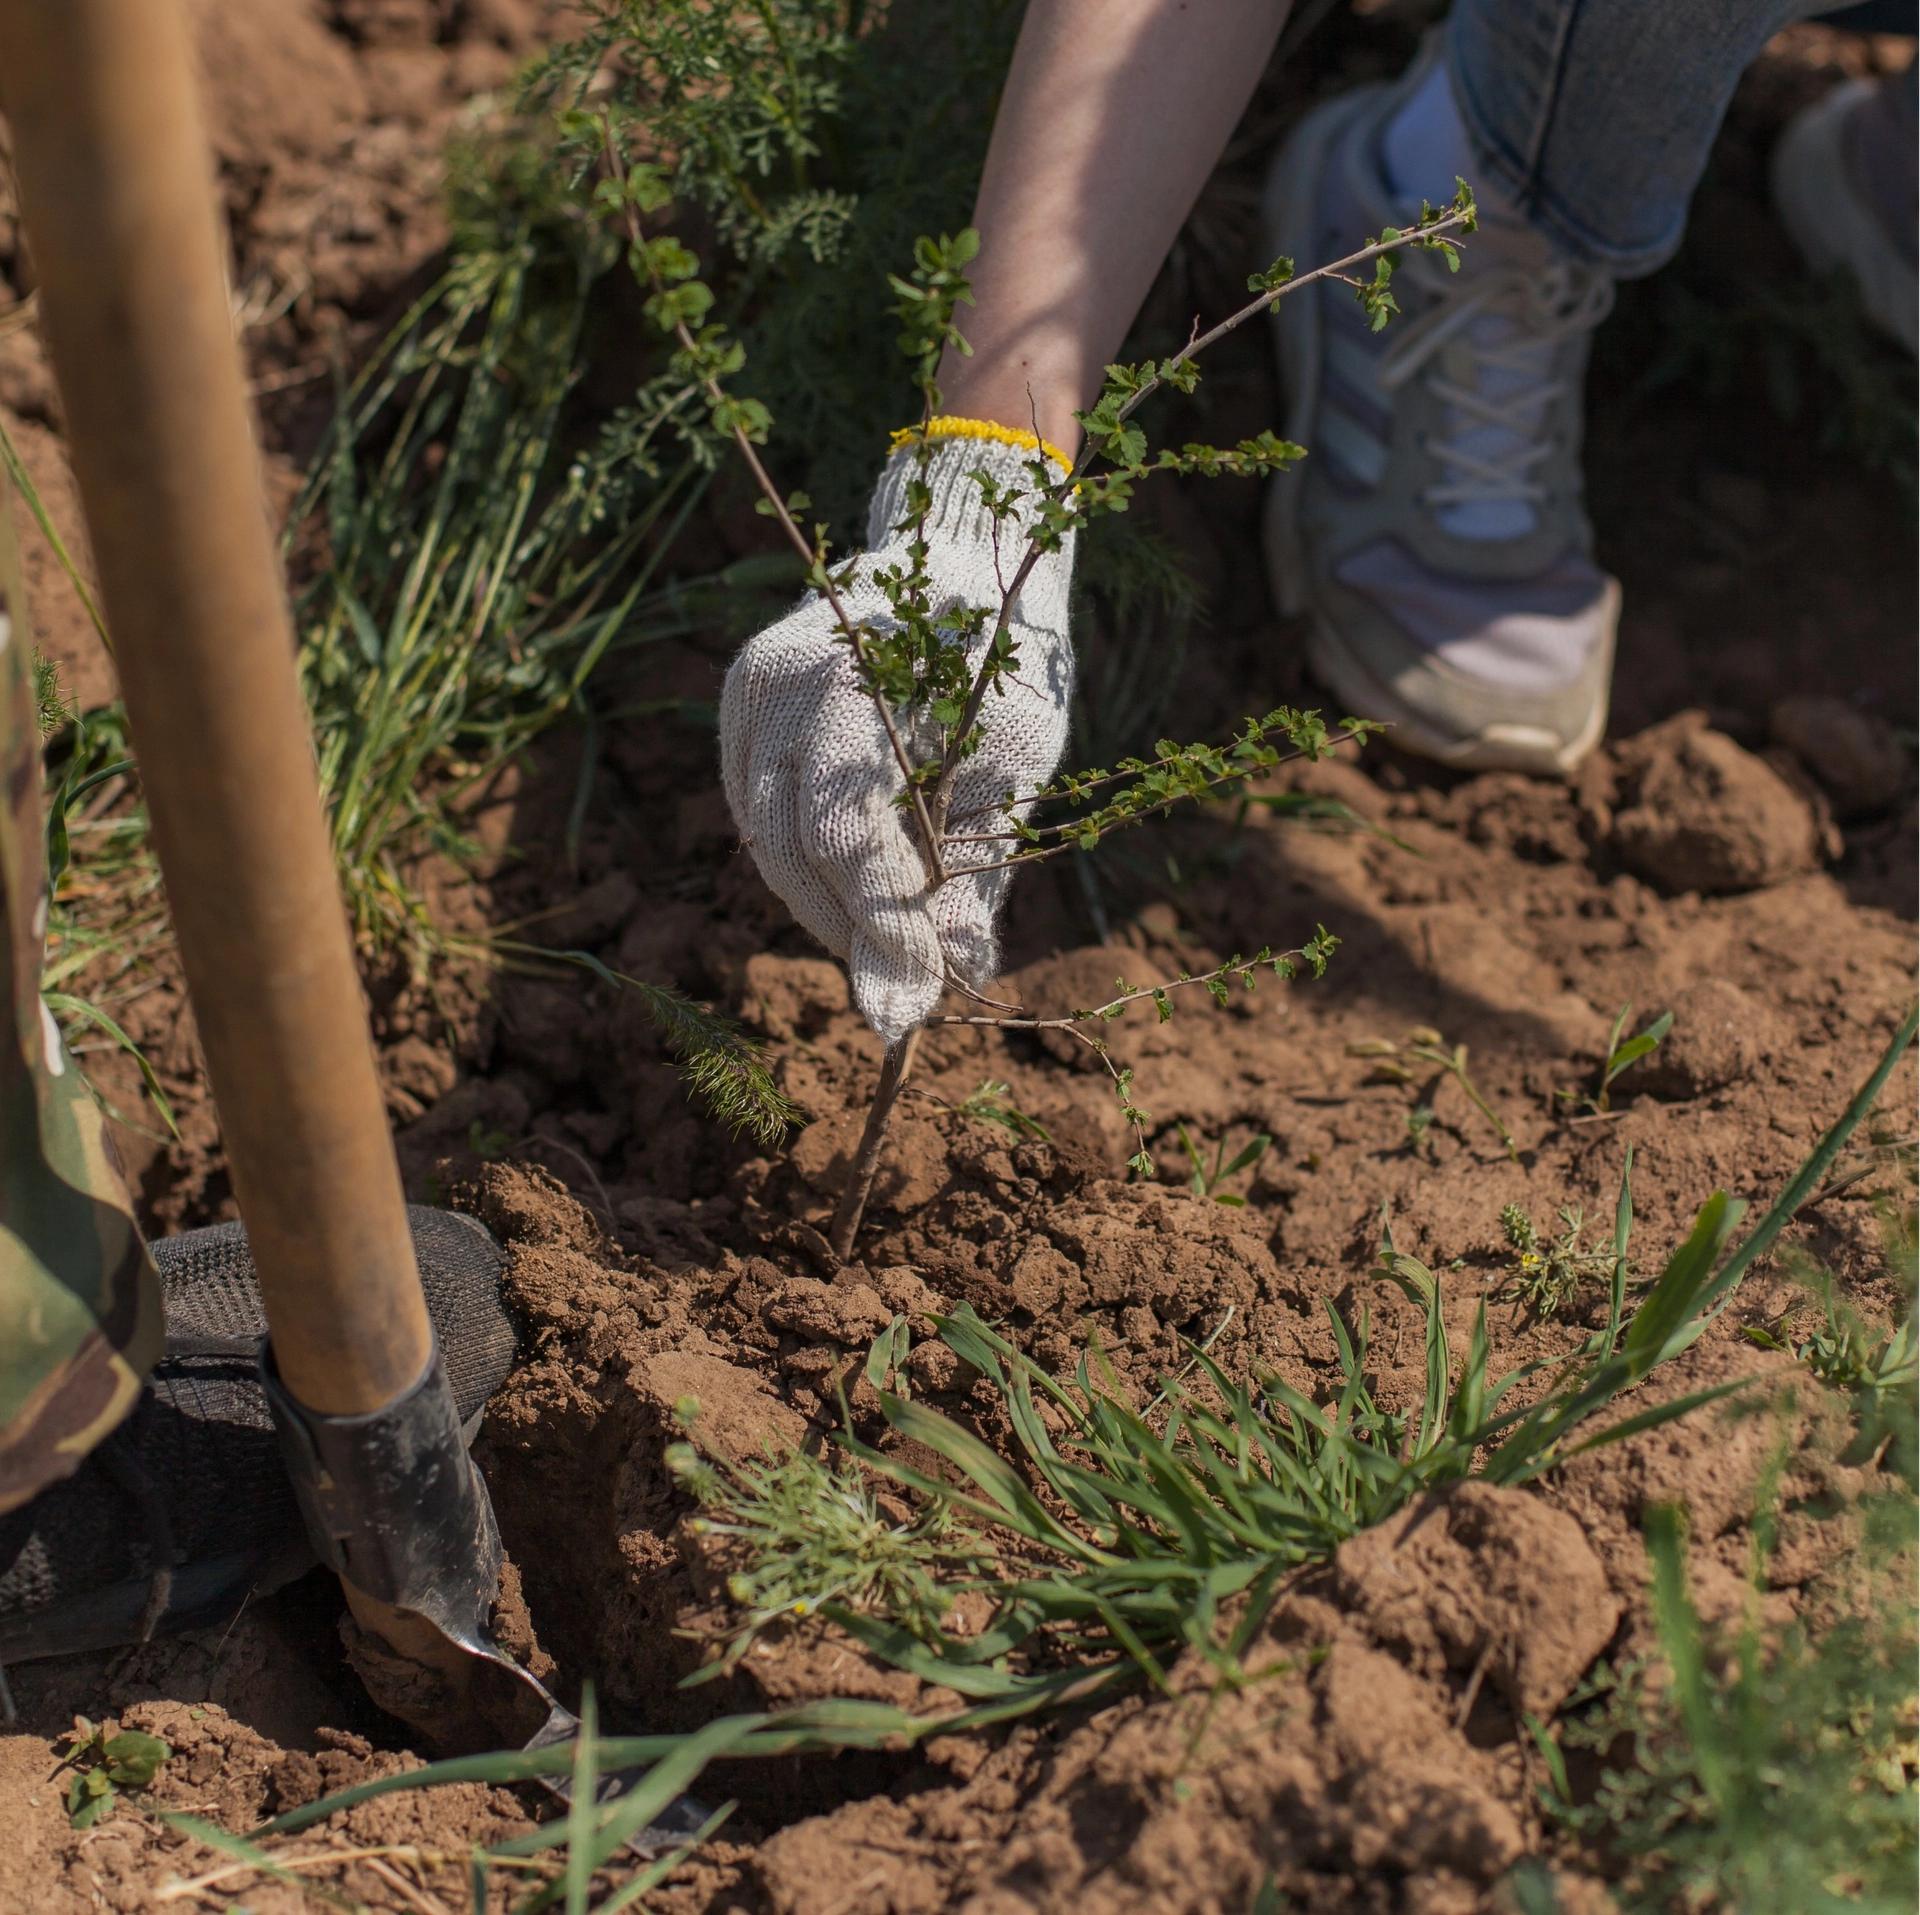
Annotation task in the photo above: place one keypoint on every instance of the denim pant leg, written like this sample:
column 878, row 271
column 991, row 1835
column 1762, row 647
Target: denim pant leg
column 1594, row 117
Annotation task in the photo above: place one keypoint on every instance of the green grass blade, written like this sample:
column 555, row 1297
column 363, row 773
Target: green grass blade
column 1636, row 1048
column 904, row 1650
column 580, row 1806
column 1667, row 1412
column 1247, row 1157
column 65, row 1004
column 649, row 1878
column 1679, row 1626
column 1617, row 1276
column 1005, row 1498
column 1422, row 1287
column 1470, row 1401
column 1671, row 1315
column 1197, row 1181
column 23, row 484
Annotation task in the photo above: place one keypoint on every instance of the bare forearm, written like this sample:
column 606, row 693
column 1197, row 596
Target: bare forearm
column 1113, row 115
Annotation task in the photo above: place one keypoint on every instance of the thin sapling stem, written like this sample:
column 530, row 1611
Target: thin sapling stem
column 643, row 257
column 894, row 1069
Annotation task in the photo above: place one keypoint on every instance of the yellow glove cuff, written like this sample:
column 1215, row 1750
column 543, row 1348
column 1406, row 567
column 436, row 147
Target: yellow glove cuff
column 947, row 426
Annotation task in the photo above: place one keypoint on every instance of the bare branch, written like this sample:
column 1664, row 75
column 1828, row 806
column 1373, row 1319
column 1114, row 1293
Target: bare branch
column 1237, row 968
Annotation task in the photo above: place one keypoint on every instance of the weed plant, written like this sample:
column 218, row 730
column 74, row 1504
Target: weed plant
column 1206, row 1179
column 468, row 570
column 473, row 574
column 1424, row 1056
column 1621, row 1054
column 103, row 1765
column 990, row 1102
column 1140, row 1530
column 1876, row 1368
column 1549, row 1272
column 1133, row 1531
column 1120, row 1538
column 802, row 1532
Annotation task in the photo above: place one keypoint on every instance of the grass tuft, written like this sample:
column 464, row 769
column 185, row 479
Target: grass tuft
column 1120, row 1538
column 468, row 572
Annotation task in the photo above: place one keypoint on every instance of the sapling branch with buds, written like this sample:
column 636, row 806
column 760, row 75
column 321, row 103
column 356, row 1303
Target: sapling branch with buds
column 938, row 664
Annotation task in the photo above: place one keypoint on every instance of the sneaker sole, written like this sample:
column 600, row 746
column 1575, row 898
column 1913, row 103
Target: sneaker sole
column 1296, row 332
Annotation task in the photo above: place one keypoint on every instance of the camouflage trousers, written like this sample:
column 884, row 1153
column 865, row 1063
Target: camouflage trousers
column 80, row 1320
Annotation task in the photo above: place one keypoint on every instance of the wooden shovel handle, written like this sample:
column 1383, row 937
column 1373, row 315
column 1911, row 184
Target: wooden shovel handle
column 117, row 194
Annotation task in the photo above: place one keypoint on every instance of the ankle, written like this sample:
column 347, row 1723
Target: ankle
column 1425, row 148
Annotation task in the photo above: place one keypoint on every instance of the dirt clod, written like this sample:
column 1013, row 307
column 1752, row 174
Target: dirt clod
column 1484, row 1579
column 1720, row 1036
column 1701, row 813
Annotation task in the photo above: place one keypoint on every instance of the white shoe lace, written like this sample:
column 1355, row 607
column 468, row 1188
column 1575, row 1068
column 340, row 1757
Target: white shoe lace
column 1511, row 323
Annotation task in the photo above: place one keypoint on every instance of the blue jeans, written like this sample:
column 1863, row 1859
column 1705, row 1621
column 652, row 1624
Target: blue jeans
column 1594, row 117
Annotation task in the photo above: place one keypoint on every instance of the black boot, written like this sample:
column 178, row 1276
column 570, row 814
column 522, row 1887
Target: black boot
column 185, row 1512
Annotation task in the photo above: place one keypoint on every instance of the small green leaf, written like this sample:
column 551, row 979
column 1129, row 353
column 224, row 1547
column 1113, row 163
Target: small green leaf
column 133, row 1758
column 89, row 1796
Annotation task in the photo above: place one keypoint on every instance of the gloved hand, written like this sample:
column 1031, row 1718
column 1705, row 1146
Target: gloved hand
column 811, row 778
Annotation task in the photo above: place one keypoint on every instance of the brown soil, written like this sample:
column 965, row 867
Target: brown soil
column 1742, row 853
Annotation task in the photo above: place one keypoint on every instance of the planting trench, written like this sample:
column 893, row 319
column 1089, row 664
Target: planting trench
column 1741, row 854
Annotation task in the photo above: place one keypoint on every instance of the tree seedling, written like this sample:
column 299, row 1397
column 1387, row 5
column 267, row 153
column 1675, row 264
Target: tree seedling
column 930, row 668
column 1206, row 1178
column 1394, row 1064
column 103, row 1764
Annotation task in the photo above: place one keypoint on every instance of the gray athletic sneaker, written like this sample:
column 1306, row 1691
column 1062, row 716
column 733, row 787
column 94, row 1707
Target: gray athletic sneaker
column 1436, row 535
column 1843, row 181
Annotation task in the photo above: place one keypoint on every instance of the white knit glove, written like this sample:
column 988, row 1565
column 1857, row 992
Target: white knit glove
column 811, row 778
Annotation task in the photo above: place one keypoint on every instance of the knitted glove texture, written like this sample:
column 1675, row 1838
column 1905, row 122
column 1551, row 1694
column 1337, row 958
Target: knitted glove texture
column 811, row 778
